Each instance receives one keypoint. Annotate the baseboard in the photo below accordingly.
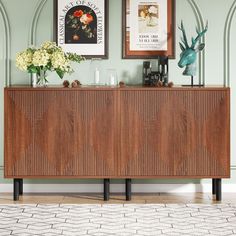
(117, 188)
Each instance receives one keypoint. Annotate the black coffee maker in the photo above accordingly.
(152, 78)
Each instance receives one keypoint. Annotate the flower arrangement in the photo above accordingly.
(81, 25)
(49, 57)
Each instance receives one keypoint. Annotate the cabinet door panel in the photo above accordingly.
(177, 133)
(60, 133)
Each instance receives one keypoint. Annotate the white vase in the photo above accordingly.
(34, 79)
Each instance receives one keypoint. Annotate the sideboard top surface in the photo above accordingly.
(117, 88)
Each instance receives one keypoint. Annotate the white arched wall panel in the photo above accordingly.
(34, 22)
(231, 80)
(46, 18)
(2, 83)
(44, 34)
(200, 25)
(4, 67)
(186, 11)
(216, 13)
(7, 40)
(20, 25)
(227, 43)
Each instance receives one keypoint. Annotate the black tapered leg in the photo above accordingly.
(16, 189)
(21, 187)
(128, 189)
(106, 189)
(218, 190)
(213, 186)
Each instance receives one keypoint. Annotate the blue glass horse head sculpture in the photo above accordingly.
(188, 56)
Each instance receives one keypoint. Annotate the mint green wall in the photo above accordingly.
(28, 22)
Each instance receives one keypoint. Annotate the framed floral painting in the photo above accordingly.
(148, 29)
(82, 27)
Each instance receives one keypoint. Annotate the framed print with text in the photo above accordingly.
(148, 29)
(82, 27)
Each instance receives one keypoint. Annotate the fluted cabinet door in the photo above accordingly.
(174, 133)
(117, 133)
(61, 133)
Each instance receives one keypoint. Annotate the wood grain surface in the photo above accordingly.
(174, 133)
(117, 133)
(60, 133)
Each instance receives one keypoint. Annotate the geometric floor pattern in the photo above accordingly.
(118, 219)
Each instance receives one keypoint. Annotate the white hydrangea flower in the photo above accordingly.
(24, 60)
(41, 57)
(49, 45)
(49, 57)
(59, 61)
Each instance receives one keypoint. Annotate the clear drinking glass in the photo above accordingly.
(112, 79)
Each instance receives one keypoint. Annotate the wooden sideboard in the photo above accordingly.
(131, 132)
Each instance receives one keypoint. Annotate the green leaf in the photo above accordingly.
(60, 73)
(32, 69)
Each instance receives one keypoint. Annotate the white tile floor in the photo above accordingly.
(119, 219)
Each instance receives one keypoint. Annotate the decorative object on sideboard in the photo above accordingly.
(78, 82)
(34, 80)
(158, 77)
(74, 84)
(95, 71)
(82, 26)
(160, 84)
(49, 57)
(148, 29)
(188, 56)
(122, 84)
(66, 84)
(112, 78)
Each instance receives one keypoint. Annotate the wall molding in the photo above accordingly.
(34, 23)
(7, 40)
(200, 25)
(118, 188)
(233, 167)
(227, 41)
